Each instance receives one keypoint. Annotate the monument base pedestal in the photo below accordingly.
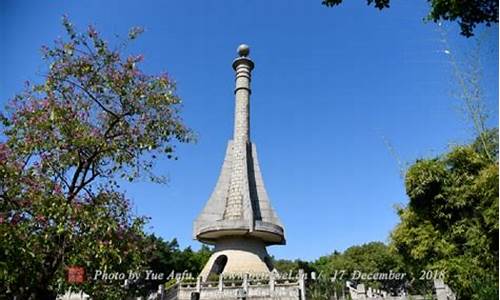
(238, 256)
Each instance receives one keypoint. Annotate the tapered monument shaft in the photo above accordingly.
(243, 67)
(238, 217)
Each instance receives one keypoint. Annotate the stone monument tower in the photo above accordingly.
(238, 218)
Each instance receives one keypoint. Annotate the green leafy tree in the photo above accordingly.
(324, 289)
(467, 13)
(293, 266)
(167, 257)
(451, 221)
(94, 119)
(370, 258)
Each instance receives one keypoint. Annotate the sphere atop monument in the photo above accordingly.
(243, 50)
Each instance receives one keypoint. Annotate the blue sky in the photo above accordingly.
(331, 89)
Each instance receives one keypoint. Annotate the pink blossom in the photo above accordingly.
(57, 188)
(91, 31)
(40, 218)
(15, 219)
(164, 76)
(95, 131)
(4, 152)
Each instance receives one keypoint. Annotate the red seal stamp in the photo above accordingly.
(76, 274)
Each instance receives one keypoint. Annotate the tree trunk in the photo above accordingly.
(44, 294)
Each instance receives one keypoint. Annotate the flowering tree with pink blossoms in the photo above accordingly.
(96, 119)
